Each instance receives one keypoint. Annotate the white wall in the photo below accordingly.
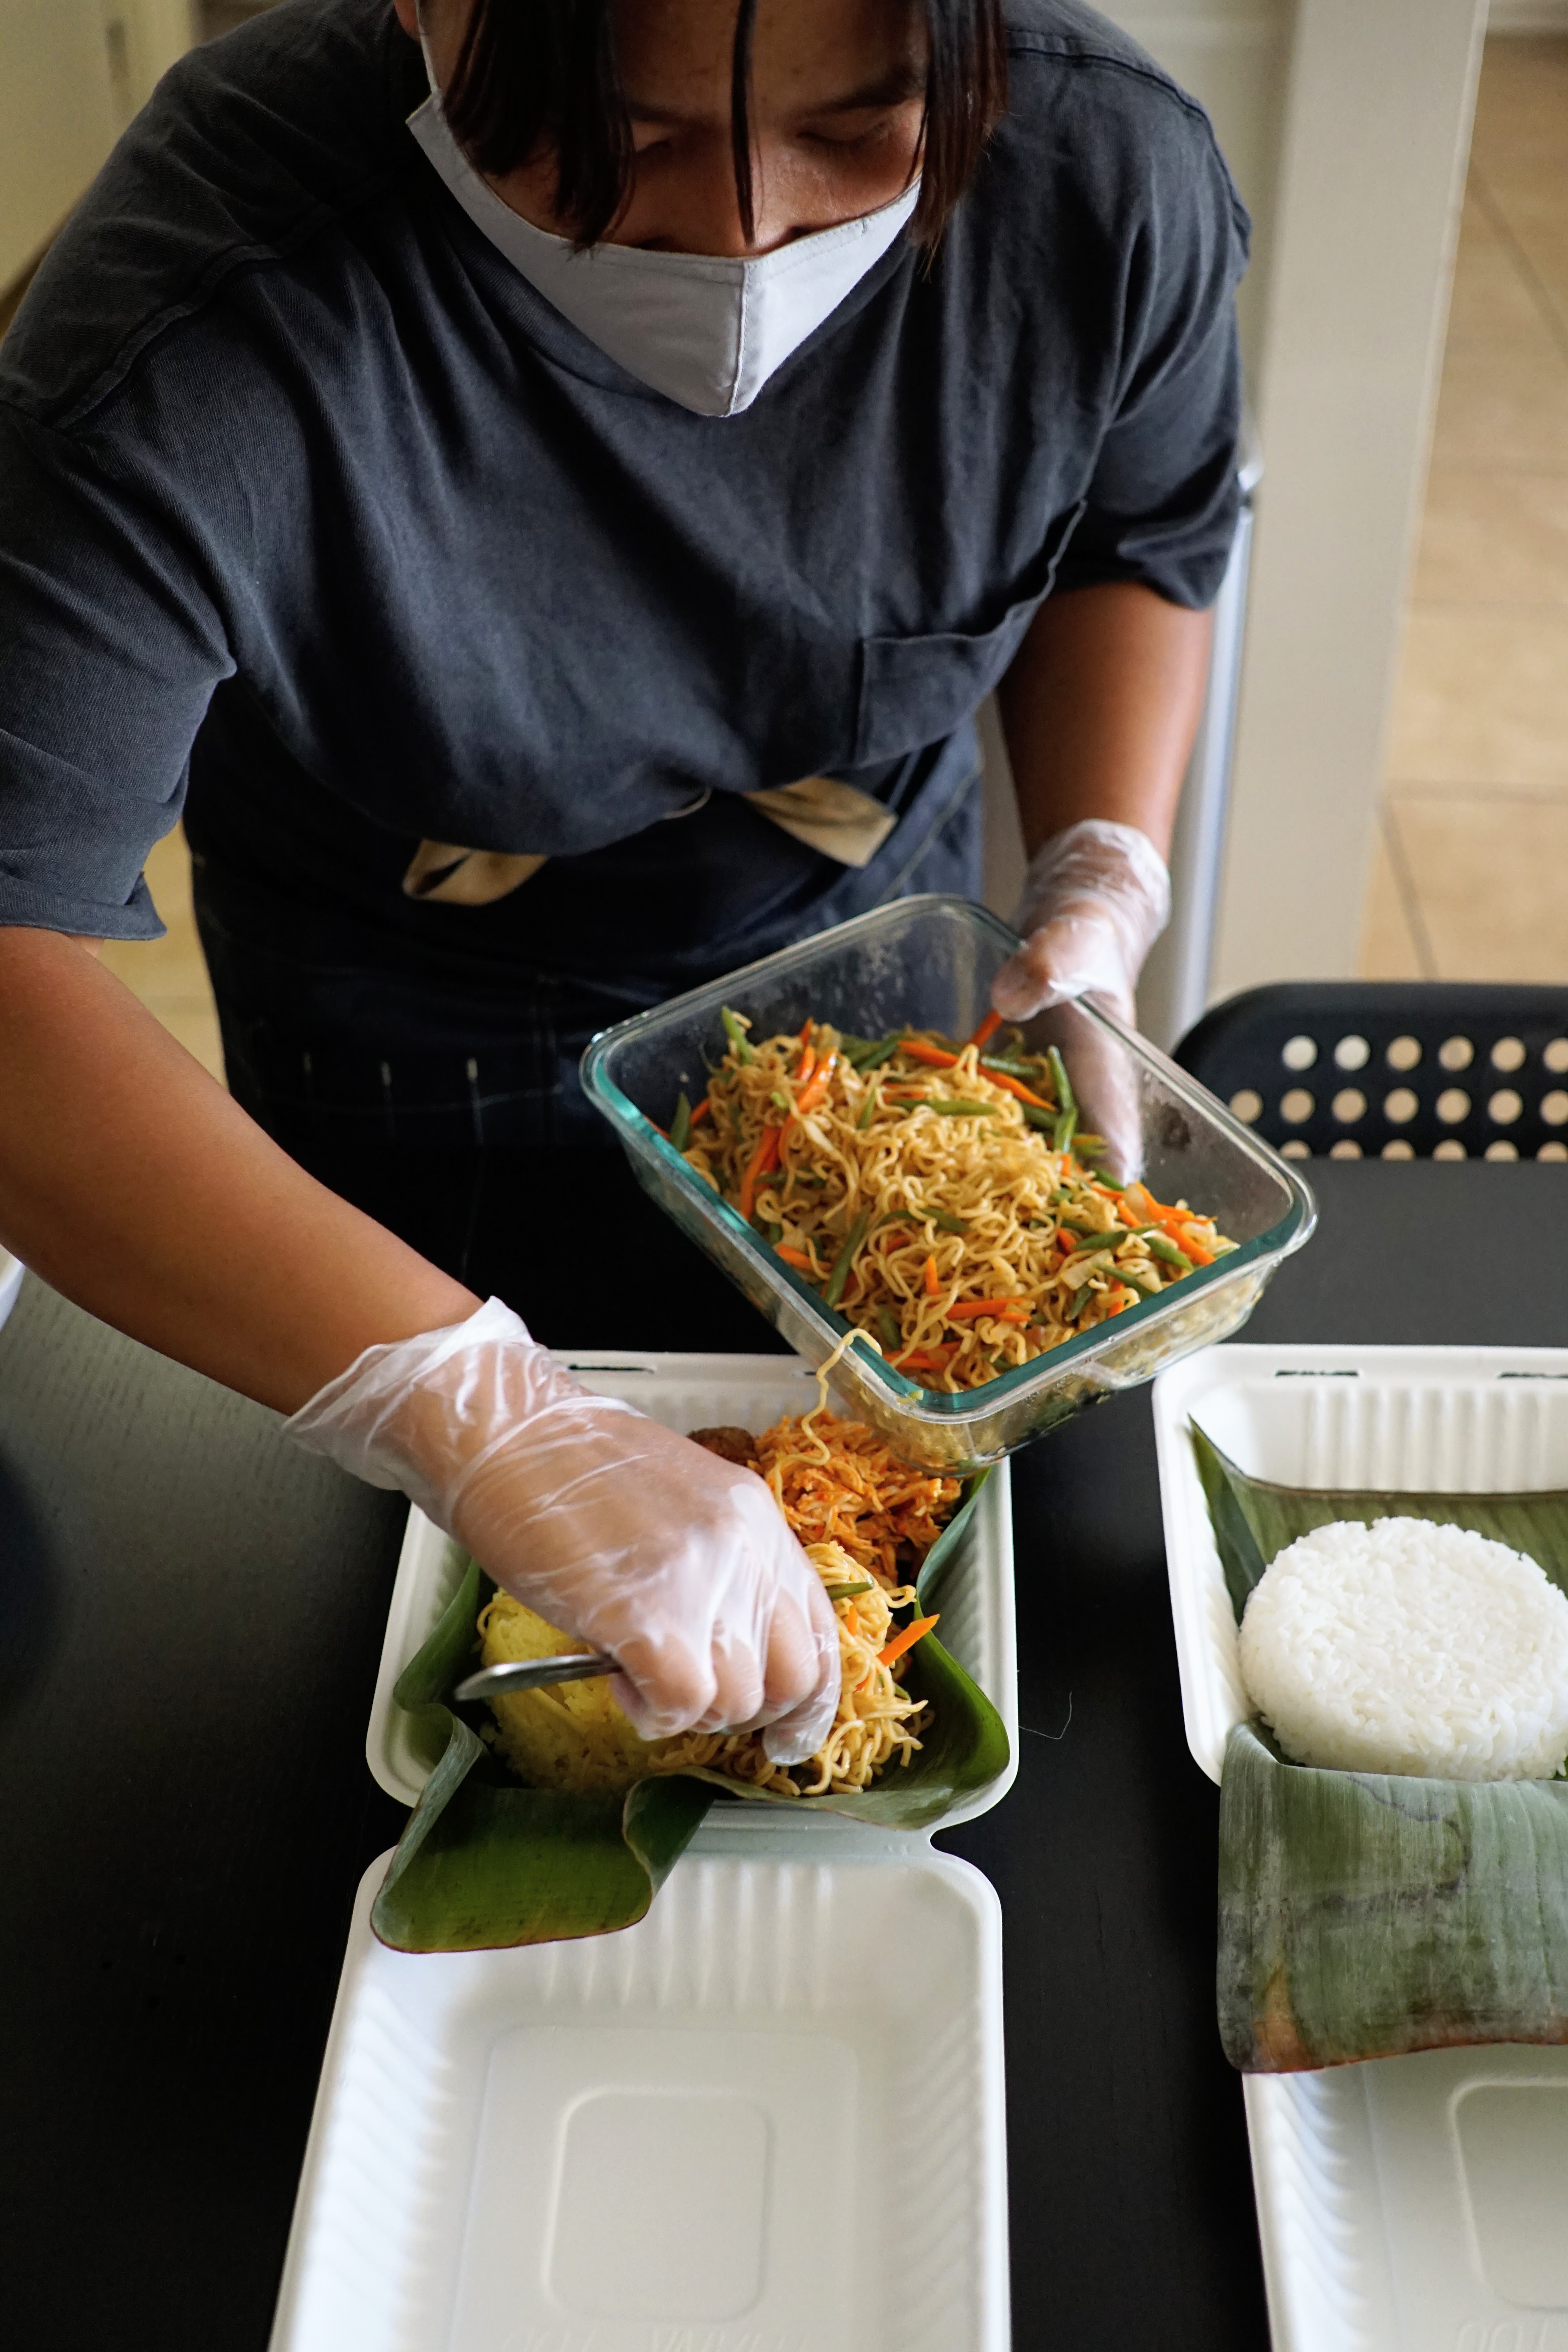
(1375, 137)
(72, 73)
(1347, 125)
(1234, 56)
(56, 117)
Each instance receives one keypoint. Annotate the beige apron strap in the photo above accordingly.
(466, 878)
(832, 818)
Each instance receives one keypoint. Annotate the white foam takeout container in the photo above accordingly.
(768, 2118)
(1408, 2204)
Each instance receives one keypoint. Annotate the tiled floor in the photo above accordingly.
(1471, 878)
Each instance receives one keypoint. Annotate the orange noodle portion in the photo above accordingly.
(934, 1198)
(835, 1482)
(866, 1522)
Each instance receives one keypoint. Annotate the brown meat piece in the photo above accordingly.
(730, 1444)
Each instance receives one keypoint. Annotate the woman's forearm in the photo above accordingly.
(133, 1183)
(1099, 710)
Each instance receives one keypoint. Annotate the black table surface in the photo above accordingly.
(191, 1615)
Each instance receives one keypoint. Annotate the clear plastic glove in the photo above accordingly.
(633, 1540)
(1096, 898)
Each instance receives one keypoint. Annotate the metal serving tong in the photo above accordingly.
(533, 1673)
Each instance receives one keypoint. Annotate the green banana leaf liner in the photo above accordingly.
(1363, 1915)
(486, 1861)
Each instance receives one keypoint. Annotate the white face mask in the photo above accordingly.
(706, 332)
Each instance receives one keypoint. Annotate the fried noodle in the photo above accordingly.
(929, 1200)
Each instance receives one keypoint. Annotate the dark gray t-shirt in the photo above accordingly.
(312, 508)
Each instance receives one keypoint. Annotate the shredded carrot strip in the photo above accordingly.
(1014, 1086)
(942, 1060)
(1009, 1310)
(908, 1638)
(702, 1109)
(795, 1257)
(764, 1158)
(815, 1087)
(1194, 1249)
(932, 1279)
(986, 1030)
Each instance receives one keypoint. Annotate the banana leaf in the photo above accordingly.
(1253, 1521)
(486, 1861)
(1362, 1916)
(1365, 1915)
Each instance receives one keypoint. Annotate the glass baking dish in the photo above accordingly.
(928, 962)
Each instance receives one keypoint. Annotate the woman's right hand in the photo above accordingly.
(610, 1525)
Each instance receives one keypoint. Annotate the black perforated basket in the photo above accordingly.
(1400, 1069)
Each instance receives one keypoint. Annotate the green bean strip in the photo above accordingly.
(846, 1258)
(1042, 1119)
(848, 1591)
(873, 1057)
(1160, 1246)
(1137, 1279)
(948, 1222)
(1065, 1099)
(1035, 1069)
(961, 1109)
(888, 1328)
(1062, 1128)
(681, 1133)
(738, 1038)
(869, 1109)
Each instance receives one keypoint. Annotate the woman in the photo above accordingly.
(546, 488)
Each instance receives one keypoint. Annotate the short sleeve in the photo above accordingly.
(1163, 500)
(111, 646)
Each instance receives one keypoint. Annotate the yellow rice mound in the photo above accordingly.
(575, 1736)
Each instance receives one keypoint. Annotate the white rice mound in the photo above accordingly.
(1408, 1647)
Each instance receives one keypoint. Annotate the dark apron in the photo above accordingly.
(439, 1092)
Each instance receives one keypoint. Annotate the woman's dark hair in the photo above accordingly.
(545, 72)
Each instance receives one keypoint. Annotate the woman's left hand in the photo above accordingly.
(1096, 897)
